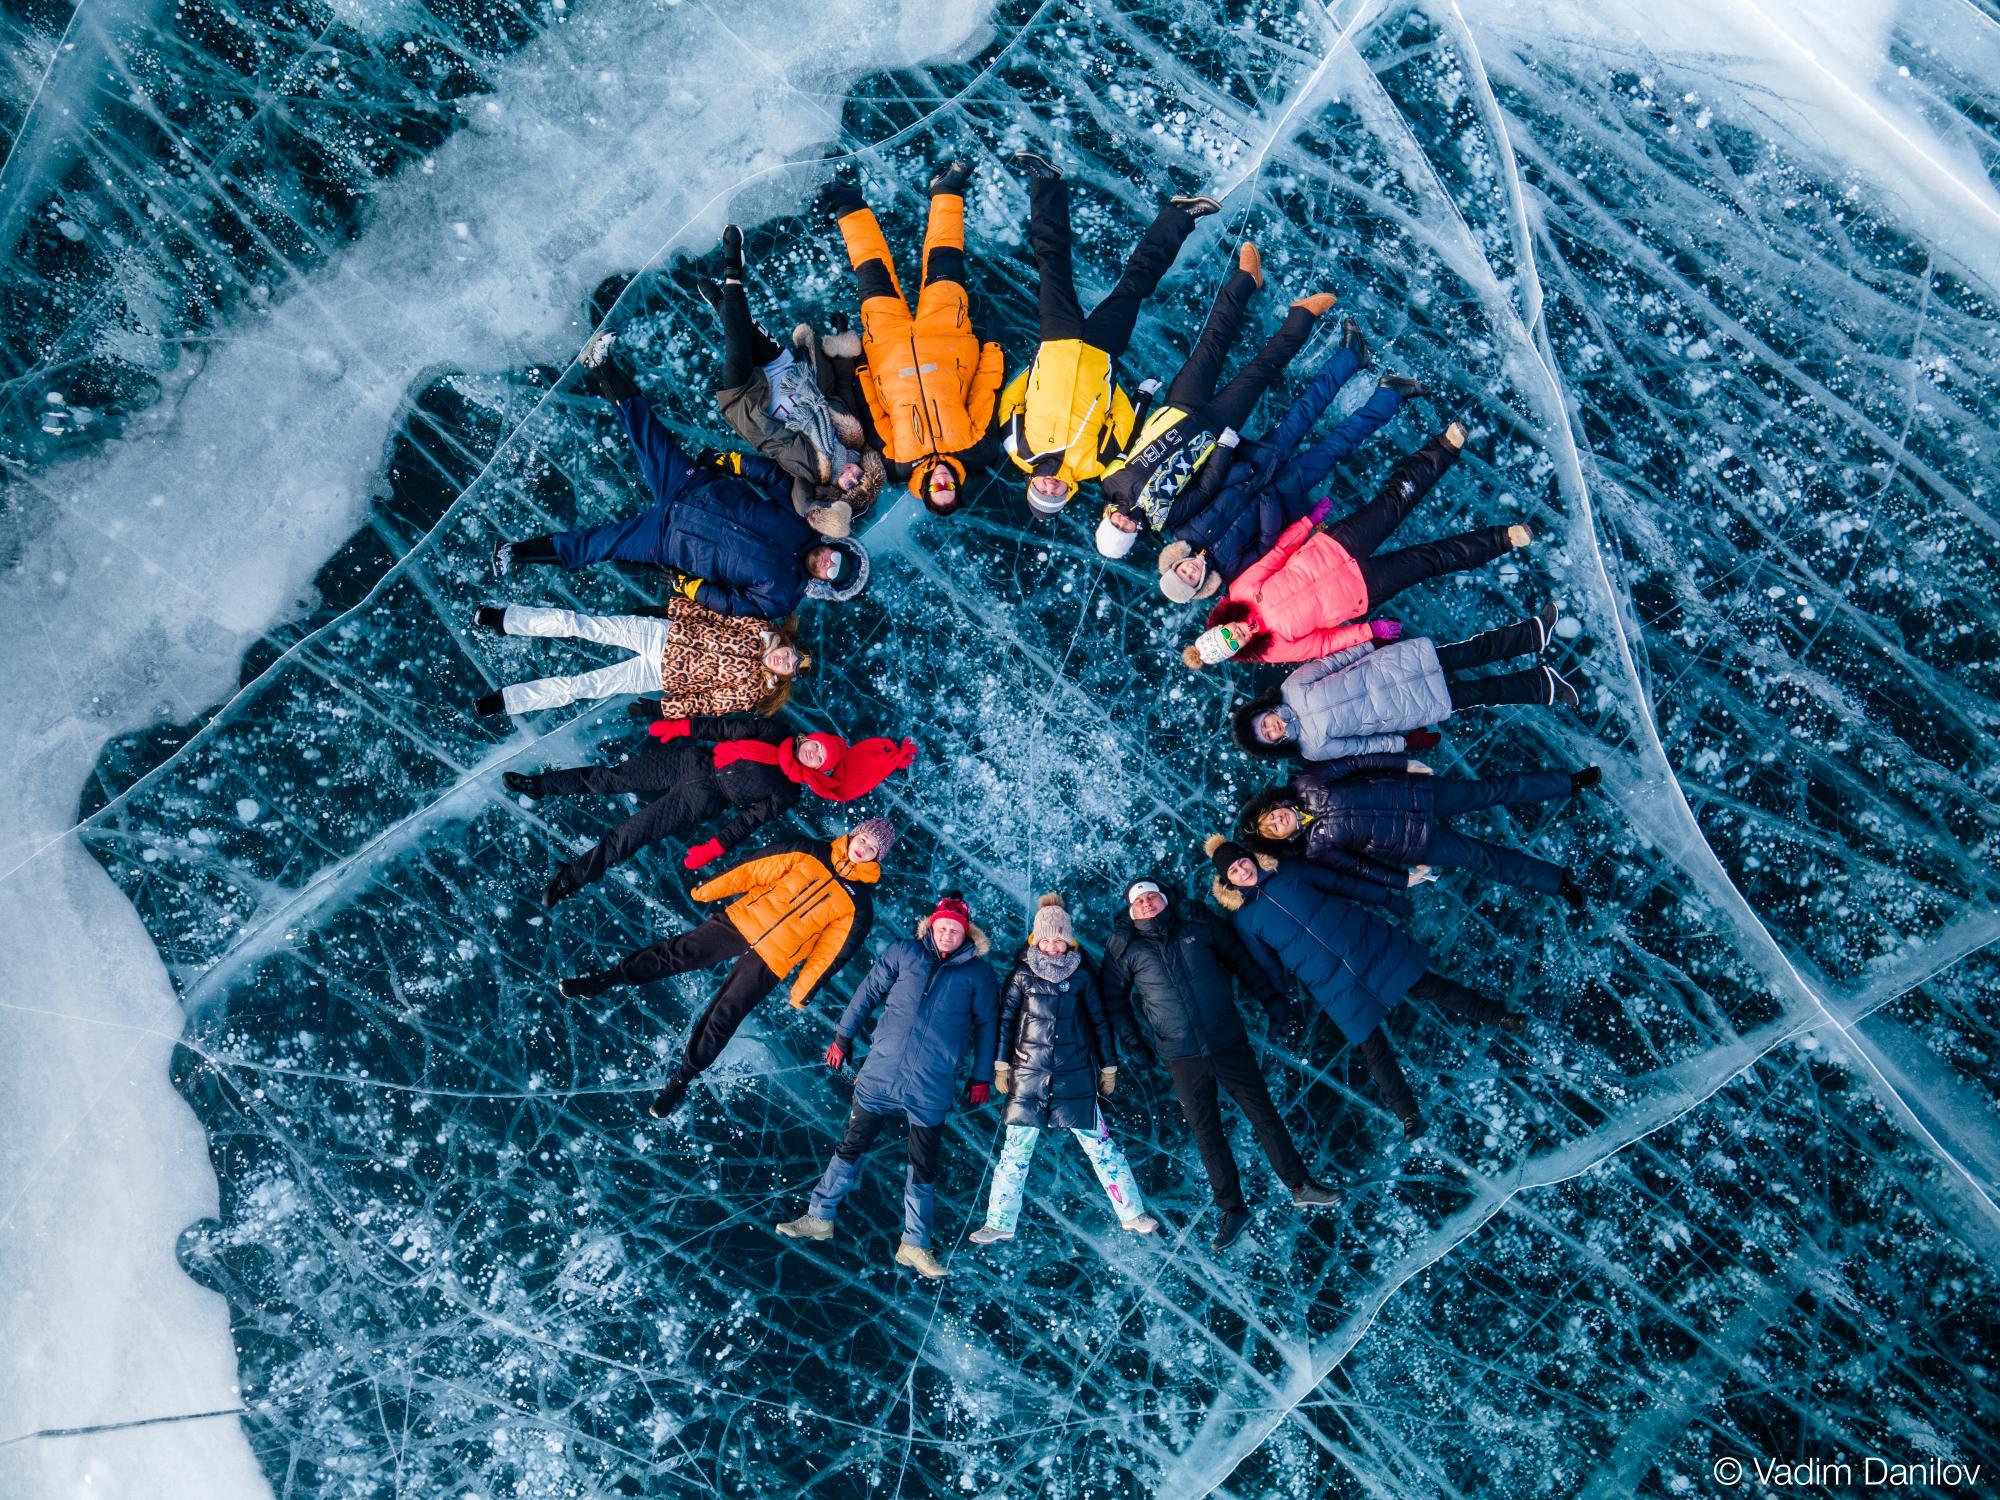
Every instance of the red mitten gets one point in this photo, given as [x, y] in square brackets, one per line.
[671, 729]
[836, 1055]
[1420, 739]
[1385, 630]
[701, 854]
[979, 1093]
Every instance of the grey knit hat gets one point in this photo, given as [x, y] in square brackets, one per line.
[881, 830]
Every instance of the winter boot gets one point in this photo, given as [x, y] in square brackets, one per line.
[1144, 1224]
[1250, 261]
[1588, 777]
[564, 884]
[921, 1261]
[492, 617]
[1414, 1127]
[1038, 167]
[1355, 343]
[1230, 1230]
[1310, 1194]
[839, 198]
[1200, 206]
[1519, 536]
[1513, 1022]
[527, 786]
[951, 178]
[1545, 621]
[669, 1098]
[1406, 386]
[488, 705]
[1319, 304]
[1561, 690]
[984, 1235]
[732, 253]
[710, 292]
[1454, 436]
[806, 1227]
[583, 986]
[511, 555]
[836, 519]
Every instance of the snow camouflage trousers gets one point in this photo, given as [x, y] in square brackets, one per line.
[1010, 1174]
[644, 637]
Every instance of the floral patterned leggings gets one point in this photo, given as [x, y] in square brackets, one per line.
[1010, 1174]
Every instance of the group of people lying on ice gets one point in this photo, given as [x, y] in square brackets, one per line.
[743, 538]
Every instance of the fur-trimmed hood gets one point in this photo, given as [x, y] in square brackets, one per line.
[874, 478]
[1172, 556]
[819, 588]
[974, 934]
[1226, 895]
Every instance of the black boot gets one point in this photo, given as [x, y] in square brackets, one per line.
[1197, 206]
[1352, 340]
[492, 617]
[1037, 166]
[527, 786]
[1414, 1127]
[732, 252]
[1545, 623]
[952, 177]
[711, 292]
[839, 198]
[1230, 1230]
[563, 885]
[1588, 777]
[1561, 689]
[1513, 1022]
[486, 705]
[669, 1098]
[1406, 386]
[583, 986]
[511, 555]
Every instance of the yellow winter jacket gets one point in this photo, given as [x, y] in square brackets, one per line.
[1066, 402]
[802, 902]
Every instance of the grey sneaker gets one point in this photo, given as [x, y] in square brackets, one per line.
[985, 1236]
[806, 1227]
[921, 1261]
[1310, 1194]
[1144, 1224]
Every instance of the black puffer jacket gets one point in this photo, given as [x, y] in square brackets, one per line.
[1368, 807]
[1179, 965]
[1054, 1035]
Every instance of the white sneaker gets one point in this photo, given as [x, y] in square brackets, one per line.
[596, 348]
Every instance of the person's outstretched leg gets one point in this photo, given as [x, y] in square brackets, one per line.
[1194, 1086]
[688, 804]
[1310, 468]
[843, 1169]
[1454, 795]
[746, 347]
[1195, 383]
[635, 674]
[1451, 850]
[748, 983]
[640, 634]
[1232, 405]
[1058, 313]
[882, 306]
[1109, 326]
[1535, 685]
[1460, 1000]
[713, 942]
[944, 242]
[1387, 574]
[1522, 638]
[919, 1189]
[663, 463]
[1365, 529]
[1236, 1068]
[1387, 1075]
[1113, 1171]
[1010, 1179]
[664, 770]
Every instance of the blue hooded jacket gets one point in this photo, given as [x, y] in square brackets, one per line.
[933, 1009]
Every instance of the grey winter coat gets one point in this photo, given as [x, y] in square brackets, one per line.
[1363, 700]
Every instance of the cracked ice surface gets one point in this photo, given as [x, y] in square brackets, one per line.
[1733, 1195]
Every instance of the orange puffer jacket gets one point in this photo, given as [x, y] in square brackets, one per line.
[1302, 594]
[800, 902]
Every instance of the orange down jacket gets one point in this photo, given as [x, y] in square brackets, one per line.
[802, 902]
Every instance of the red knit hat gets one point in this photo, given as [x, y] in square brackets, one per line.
[952, 908]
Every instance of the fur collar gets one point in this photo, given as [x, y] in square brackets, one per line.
[1226, 895]
[975, 936]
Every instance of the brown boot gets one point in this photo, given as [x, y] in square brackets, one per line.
[921, 1261]
[1247, 259]
[1319, 304]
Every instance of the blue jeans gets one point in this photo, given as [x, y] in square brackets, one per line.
[641, 538]
[919, 1197]
[1451, 850]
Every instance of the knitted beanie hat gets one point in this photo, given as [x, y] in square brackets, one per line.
[1226, 854]
[881, 830]
[1113, 542]
[951, 907]
[1052, 920]
[1218, 643]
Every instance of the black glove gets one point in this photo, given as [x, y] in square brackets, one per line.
[644, 708]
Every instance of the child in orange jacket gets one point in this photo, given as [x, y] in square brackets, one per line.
[931, 385]
[803, 903]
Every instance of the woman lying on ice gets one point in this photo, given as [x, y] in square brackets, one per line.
[1383, 818]
[1268, 485]
[1302, 599]
[703, 767]
[940, 1003]
[1377, 696]
[930, 383]
[1065, 417]
[1177, 449]
[722, 526]
[698, 661]
[1056, 1056]
[1300, 922]
[788, 404]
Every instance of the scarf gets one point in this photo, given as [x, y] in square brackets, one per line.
[1055, 969]
[850, 771]
[1288, 716]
